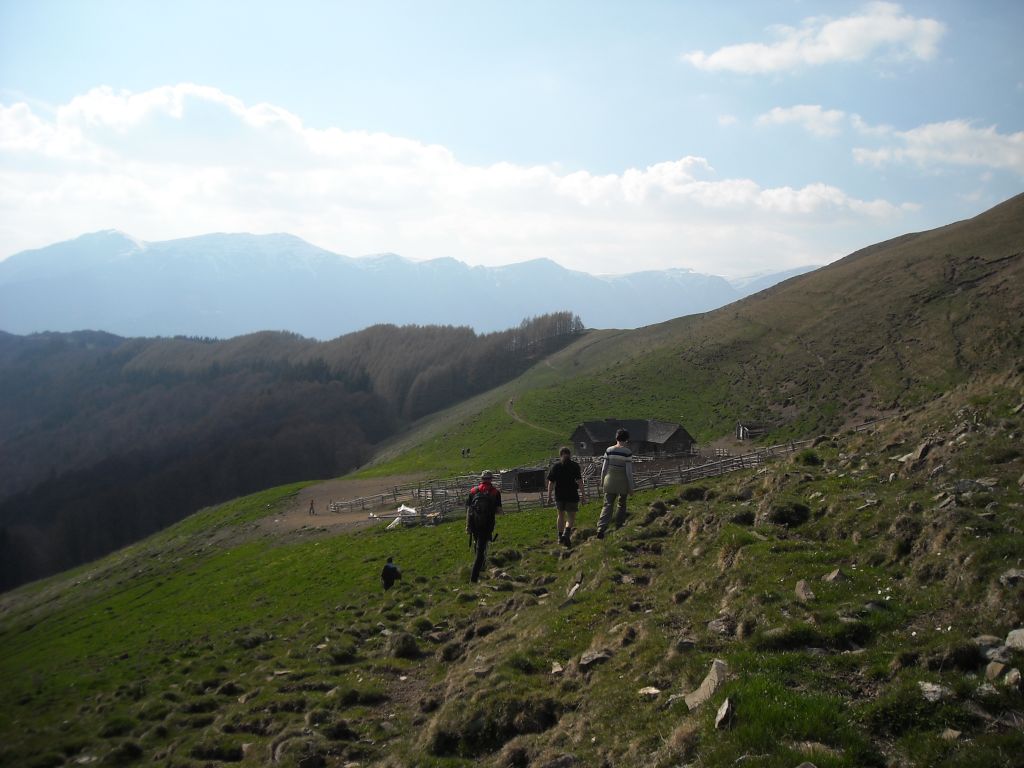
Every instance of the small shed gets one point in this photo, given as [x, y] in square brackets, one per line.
[522, 480]
[646, 437]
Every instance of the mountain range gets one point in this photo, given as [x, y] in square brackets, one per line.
[225, 285]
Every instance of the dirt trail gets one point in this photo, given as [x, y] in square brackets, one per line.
[296, 514]
[511, 411]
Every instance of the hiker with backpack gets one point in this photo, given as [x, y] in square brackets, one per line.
[482, 505]
[565, 482]
[616, 481]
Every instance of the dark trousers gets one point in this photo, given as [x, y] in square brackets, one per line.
[482, 541]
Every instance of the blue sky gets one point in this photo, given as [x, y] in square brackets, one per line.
[730, 137]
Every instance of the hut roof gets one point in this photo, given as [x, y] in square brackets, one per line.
[642, 430]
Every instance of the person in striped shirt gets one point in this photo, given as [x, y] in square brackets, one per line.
[616, 481]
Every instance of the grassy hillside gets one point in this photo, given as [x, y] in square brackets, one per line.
[886, 328]
[105, 440]
[212, 643]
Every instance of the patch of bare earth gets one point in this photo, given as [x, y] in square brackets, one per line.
[296, 516]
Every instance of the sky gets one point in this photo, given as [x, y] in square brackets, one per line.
[730, 138]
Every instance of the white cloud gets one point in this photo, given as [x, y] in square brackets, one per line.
[878, 30]
[813, 118]
[955, 142]
[187, 159]
[726, 120]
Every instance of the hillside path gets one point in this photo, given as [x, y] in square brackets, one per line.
[511, 411]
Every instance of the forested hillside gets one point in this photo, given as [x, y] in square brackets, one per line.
[104, 440]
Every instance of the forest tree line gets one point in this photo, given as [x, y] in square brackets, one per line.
[104, 440]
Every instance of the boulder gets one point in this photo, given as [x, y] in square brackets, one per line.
[593, 658]
[724, 625]
[725, 714]
[1015, 639]
[994, 670]
[1012, 679]
[1012, 578]
[803, 590]
[933, 692]
[711, 683]
[835, 576]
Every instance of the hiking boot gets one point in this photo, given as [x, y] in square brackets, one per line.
[620, 519]
[601, 531]
[567, 538]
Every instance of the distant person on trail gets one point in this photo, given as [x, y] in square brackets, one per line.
[312, 509]
[565, 482]
[389, 575]
[616, 481]
[482, 505]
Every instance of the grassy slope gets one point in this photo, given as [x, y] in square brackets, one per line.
[888, 327]
[183, 648]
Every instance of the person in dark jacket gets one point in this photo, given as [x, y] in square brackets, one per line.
[389, 574]
[565, 483]
[480, 515]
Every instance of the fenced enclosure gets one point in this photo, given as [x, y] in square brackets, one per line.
[434, 501]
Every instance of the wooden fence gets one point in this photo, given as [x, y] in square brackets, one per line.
[434, 501]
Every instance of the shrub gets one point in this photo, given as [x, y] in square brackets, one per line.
[809, 458]
[693, 493]
[788, 513]
[117, 726]
[497, 719]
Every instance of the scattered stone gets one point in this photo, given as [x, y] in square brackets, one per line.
[984, 642]
[725, 715]
[724, 625]
[711, 683]
[987, 689]
[593, 658]
[248, 695]
[650, 690]
[950, 734]
[804, 593]
[1012, 679]
[999, 653]
[1015, 639]
[933, 692]
[684, 643]
[835, 576]
[556, 668]
[994, 670]
[1012, 578]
